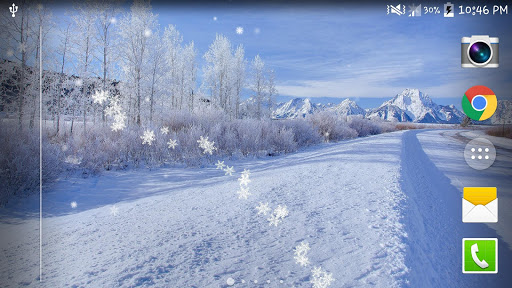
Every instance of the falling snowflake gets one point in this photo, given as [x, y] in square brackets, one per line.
[243, 193]
[79, 82]
[22, 47]
[114, 110]
[113, 20]
[73, 204]
[244, 179]
[263, 208]
[148, 137]
[301, 254]
[172, 144]
[230, 281]
[278, 215]
[239, 30]
[164, 130]
[214, 18]
[321, 279]
[274, 220]
[207, 146]
[100, 96]
[9, 53]
[147, 32]
[114, 210]
[281, 211]
[257, 30]
[220, 165]
[229, 170]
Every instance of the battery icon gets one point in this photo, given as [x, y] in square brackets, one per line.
[448, 10]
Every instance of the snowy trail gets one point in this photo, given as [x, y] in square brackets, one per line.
[434, 212]
[376, 211]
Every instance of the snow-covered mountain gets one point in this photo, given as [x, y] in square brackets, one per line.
[413, 105]
[348, 107]
[503, 114]
[296, 108]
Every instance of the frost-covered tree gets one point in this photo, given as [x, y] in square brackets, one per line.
[134, 30]
[239, 64]
[17, 43]
[83, 49]
[62, 51]
[188, 75]
[172, 40]
[258, 85]
[271, 92]
[224, 75]
[156, 67]
[106, 15]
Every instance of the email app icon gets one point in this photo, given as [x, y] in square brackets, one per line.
[480, 205]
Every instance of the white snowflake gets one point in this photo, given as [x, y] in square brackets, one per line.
[164, 130]
[243, 193]
[100, 96]
[22, 47]
[73, 204]
[244, 179]
[114, 210]
[257, 30]
[113, 20]
[229, 170]
[239, 30]
[147, 32]
[114, 110]
[263, 208]
[302, 260]
[301, 254]
[274, 220]
[172, 144]
[278, 215]
[246, 173]
[220, 165]
[281, 211]
[207, 146]
[9, 52]
[321, 279]
[79, 82]
[214, 18]
[148, 137]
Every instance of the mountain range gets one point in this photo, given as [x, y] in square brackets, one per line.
[411, 105]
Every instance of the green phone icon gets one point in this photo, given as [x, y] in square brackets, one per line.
[480, 255]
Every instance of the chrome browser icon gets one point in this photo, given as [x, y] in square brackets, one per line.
[479, 103]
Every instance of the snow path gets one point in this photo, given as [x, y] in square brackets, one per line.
[434, 212]
[376, 211]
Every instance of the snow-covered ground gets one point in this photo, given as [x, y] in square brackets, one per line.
[381, 211]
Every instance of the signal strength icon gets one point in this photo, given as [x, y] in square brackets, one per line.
[415, 11]
[398, 9]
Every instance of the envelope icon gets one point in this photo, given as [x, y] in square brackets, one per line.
[480, 205]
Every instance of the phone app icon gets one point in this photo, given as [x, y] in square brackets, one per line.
[479, 103]
[480, 205]
[480, 255]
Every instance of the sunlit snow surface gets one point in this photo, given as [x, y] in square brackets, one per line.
[381, 211]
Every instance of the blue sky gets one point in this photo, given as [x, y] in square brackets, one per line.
[329, 53]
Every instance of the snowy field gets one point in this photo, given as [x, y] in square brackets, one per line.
[381, 211]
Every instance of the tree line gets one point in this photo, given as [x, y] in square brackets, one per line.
[105, 65]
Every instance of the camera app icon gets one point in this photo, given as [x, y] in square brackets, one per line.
[479, 51]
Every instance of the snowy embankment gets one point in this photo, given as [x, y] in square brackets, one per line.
[378, 211]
